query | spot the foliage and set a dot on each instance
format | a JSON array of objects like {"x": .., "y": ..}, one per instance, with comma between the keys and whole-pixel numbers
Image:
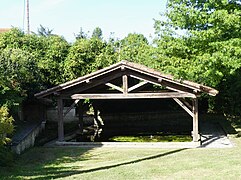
[
  {"x": 208, "y": 48},
  {"x": 134, "y": 48},
  {"x": 97, "y": 33},
  {"x": 44, "y": 31},
  {"x": 6, "y": 125},
  {"x": 81, "y": 34},
  {"x": 18, "y": 73},
  {"x": 87, "y": 55},
  {"x": 29, "y": 63},
  {"x": 52, "y": 60}
]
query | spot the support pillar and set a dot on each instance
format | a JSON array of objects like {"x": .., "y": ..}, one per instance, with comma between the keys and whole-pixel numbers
[
  {"x": 60, "y": 120},
  {"x": 81, "y": 113},
  {"x": 125, "y": 84},
  {"x": 195, "y": 132}
]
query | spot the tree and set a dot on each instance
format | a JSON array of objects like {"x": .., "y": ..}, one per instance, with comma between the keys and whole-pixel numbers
[
  {"x": 135, "y": 47},
  {"x": 44, "y": 31},
  {"x": 81, "y": 35},
  {"x": 52, "y": 60},
  {"x": 208, "y": 50},
  {"x": 97, "y": 33},
  {"x": 82, "y": 56}
]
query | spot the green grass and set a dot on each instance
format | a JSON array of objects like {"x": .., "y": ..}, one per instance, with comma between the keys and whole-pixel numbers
[
  {"x": 154, "y": 138},
  {"x": 125, "y": 163}
]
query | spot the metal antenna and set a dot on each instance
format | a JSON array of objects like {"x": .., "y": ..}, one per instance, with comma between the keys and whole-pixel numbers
[
  {"x": 28, "y": 17},
  {"x": 24, "y": 14}
]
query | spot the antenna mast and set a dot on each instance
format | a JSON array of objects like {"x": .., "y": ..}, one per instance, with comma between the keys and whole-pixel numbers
[{"x": 28, "y": 17}]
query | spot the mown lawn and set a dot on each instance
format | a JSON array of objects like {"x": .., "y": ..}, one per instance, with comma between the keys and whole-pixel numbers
[{"x": 124, "y": 163}]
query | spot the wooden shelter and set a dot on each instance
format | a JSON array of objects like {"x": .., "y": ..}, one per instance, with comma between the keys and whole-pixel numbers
[{"x": 126, "y": 80}]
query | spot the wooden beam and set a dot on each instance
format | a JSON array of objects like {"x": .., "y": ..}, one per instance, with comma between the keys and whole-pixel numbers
[
  {"x": 81, "y": 112},
  {"x": 114, "y": 87},
  {"x": 166, "y": 80},
  {"x": 137, "y": 86},
  {"x": 195, "y": 132},
  {"x": 125, "y": 84},
  {"x": 60, "y": 120},
  {"x": 186, "y": 103},
  {"x": 156, "y": 80},
  {"x": 95, "y": 82},
  {"x": 158, "y": 83},
  {"x": 71, "y": 107},
  {"x": 132, "y": 95},
  {"x": 182, "y": 105}
]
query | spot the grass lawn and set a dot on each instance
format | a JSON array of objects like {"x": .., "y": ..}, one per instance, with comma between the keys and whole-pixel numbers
[{"x": 124, "y": 163}]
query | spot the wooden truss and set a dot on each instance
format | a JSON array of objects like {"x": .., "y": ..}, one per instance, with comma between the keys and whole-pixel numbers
[{"x": 87, "y": 87}]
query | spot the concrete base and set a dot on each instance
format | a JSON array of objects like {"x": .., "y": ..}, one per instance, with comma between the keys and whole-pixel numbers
[{"x": 163, "y": 145}]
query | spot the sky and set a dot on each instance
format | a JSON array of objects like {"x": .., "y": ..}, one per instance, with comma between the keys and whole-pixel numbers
[{"x": 66, "y": 17}]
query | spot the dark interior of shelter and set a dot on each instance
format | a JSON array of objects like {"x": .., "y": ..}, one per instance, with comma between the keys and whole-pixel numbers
[{"x": 134, "y": 118}]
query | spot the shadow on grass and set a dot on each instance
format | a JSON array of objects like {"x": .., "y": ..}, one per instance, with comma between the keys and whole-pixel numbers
[
  {"x": 61, "y": 172},
  {"x": 42, "y": 161}
]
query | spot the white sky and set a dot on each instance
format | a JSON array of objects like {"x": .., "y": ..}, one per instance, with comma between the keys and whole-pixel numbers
[{"x": 66, "y": 17}]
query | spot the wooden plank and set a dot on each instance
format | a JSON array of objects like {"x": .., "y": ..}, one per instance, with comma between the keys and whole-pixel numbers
[
  {"x": 167, "y": 80},
  {"x": 163, "y": 82},
  {"x": 125, "y": 84},
  {"x": 79, "y": 80},
  {"x": 132, "y": 95},
  {"x": 182, "y": 105},
  {"x": 137, "y": 86},
  {"x": 195, "y": 133},
  {"x": 60, "y": 120},
  {"x": 186, "y": 103},
  {"x": 71, "y": 107},
  {"x": 95, "y": 82},
  {"x": 114, "y": 87},
  {"x": 158, "y": 83}
]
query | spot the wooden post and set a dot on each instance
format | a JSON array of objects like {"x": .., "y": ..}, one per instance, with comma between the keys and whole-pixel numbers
[
  {"x": 195, "y": 132},
  {"x": 60, "y": 120},
  {"x": 80, "y": 112},
  {"x": 125, "y": 84}
]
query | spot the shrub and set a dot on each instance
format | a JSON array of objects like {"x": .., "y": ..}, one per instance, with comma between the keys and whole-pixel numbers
[{"x": 6, "y": 125}]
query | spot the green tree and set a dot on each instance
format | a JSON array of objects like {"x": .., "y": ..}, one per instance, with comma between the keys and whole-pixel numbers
[
  {"x": 82, "y": 57},
  {"x": 44, "y": 31},
  {"x": 97, "y": 33},
  {"x": 135, "y": 47},
  {"x": 208, "y": 49},
  {"x": 81, "y": 35},
  {"x": 52, "y": 58}
]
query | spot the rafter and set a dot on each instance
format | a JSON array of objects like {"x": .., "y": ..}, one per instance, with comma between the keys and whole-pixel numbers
[
  {"x": 114, "y": 87},
  {"x": 182, "y": 105},
  {"x": 137, "y": 86}
]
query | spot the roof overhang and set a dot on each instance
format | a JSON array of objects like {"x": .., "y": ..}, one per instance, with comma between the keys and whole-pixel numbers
[{"x": 76, "y": 89}]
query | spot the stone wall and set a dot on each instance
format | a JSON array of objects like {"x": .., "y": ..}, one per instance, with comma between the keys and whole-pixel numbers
[
  {"x": 52, "y": 115},
  {"x": 28, "y": 139}
]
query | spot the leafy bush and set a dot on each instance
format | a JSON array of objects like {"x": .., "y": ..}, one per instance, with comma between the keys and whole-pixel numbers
[{"x": 6, "y": 125}]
